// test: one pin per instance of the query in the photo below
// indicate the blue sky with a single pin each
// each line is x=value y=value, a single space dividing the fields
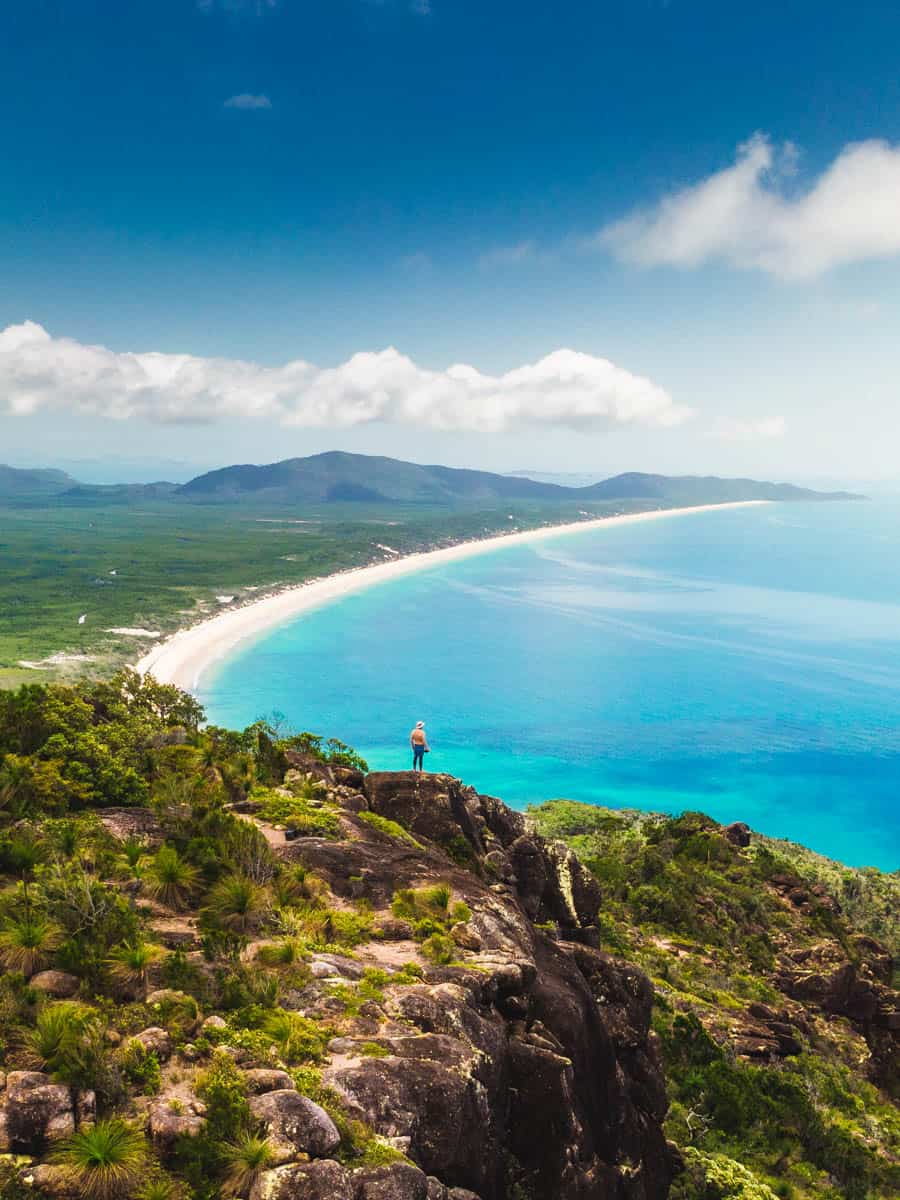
x=469 y=182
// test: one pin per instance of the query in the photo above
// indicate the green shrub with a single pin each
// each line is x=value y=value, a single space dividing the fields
x=389 y=828
x=432 y=915
x=440 y=949
x=223 y=1089
x=717 y=1177
x=298 y=1038
x=141 y=1068
x=414 y=904
x=129 y=965
x=373 y=1050
x=310 y=817
x=236 y=905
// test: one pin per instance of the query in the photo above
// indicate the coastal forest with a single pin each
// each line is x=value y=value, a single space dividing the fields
x=240 y=964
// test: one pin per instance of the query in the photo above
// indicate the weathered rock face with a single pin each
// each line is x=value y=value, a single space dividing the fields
x=155 y=1041
x=325 y=1180
x=294 y=1125
x=856 y=986
x=35 y=1111
x=262 y=1079
x=170 y=1119
x=58 y=984
x=534 y=1074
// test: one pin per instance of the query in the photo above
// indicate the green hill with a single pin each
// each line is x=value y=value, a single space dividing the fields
x=336 y=476
x=701 y=489
x=24 y=483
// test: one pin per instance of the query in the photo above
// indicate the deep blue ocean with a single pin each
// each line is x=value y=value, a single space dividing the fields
x=744 y=662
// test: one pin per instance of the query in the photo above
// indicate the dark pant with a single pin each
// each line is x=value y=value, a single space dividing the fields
x=418 y=757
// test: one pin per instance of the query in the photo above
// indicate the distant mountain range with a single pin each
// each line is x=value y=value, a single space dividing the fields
x=26 y=482
x=338 y=477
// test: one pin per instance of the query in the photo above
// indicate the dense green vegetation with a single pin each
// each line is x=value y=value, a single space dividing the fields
x=158 y=565
x=186 y=926
x=78 y=897
x=702 y=917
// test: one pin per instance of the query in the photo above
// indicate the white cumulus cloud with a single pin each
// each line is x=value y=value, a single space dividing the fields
x=41 y=373
x=248 y=102
x=753 y=214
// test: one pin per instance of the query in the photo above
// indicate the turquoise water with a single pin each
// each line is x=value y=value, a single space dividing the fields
x=744 y=662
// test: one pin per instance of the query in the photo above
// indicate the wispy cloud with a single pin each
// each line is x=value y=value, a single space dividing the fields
x=248 y=102
x=421 y=7
x=41 y=373
x=509 y=256
x=741 y=431
x=752 y=216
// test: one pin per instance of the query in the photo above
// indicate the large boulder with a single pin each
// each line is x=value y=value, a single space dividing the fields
x=58 y=984
x=399 y=1181
x=171 y=1118
x=295 y=1125
x=155 y=1041
x=48 y=1179
x=34 y=1111
x=738 y=833
x=265 y=1079
x=322 y=1180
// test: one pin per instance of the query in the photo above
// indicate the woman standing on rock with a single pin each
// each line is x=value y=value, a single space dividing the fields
x=419 y=745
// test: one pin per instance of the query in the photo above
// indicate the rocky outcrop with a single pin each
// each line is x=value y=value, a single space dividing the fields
x=855 y=983
x=155 y=1040
x=324 y=1180
x=528 y=1070
x=738 y=833
x=137 y=824
x=35 y=1111
x=294 y=1125
x=261 y=1079
x=171 y=1118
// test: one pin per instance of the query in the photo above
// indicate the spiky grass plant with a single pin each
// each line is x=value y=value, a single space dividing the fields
x=104 y=1161
x=245 y=1160
x=67 y=1041
x=171 y=880
x=160 y=1188
x=129 y=965
x=236 y=904
x=27 y=943
x=287 y=952
x=298 y=1038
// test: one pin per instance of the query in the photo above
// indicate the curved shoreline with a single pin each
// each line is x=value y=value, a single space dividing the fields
x=182 y=658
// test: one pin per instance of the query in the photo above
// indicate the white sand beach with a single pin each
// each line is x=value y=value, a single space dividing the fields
x=182 y=658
